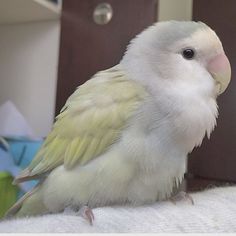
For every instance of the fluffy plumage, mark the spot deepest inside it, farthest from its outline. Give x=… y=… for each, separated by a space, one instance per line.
x=124 y=136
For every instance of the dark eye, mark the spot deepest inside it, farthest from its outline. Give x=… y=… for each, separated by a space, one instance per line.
x=188 y=53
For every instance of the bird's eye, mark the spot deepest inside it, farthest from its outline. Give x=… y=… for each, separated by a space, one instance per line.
x=188 y=53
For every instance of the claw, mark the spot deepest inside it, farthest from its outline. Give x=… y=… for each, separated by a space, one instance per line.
x=87 y=214
x=181 y=196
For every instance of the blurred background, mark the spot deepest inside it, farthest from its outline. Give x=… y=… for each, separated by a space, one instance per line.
x=48 y=48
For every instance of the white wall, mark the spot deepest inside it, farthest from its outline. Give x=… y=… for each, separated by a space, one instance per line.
x=28 y=70
x=175 y=10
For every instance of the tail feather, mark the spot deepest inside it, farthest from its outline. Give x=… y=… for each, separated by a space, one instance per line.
x=25 y=175
x=30 y=204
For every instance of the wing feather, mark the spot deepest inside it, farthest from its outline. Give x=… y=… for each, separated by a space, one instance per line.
x=90 y=122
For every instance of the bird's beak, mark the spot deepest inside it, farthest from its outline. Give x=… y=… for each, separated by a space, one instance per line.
x=219 y=68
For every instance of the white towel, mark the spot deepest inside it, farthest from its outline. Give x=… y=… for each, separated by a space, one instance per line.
x=214 y=211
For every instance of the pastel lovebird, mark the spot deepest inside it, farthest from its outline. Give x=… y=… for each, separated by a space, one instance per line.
x=123 y=137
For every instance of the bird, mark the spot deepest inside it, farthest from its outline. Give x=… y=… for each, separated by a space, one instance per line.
x=123 y=137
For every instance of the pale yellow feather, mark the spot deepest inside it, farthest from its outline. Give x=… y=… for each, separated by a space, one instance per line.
x=90 y=122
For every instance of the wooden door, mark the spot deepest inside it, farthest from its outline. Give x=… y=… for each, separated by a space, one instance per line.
x=87 y=47
x=215 y=160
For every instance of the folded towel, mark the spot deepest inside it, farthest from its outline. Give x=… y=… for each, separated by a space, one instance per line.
x=214 y=211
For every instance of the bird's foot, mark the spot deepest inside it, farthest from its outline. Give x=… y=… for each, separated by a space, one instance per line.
x=87 y=214
x=181 y=196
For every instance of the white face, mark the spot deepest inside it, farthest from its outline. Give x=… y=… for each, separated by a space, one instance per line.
x=204 y=43
x=186 y=61
x=178 y=54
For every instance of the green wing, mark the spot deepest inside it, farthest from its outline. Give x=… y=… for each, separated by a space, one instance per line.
x=89 y=123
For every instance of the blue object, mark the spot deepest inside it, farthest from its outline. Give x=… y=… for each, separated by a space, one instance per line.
x=20 y=154
x=7 y=163
x=23 y=151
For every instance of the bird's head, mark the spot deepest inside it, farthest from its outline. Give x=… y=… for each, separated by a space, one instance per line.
x=182 y=53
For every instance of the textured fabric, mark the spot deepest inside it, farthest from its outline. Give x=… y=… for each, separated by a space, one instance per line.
x=214 y=211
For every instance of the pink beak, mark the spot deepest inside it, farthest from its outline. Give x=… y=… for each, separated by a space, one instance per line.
x=219 y=68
